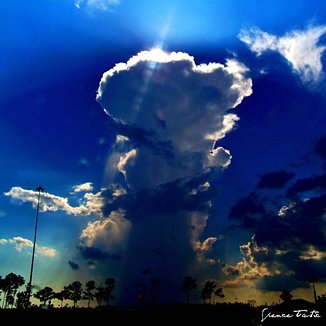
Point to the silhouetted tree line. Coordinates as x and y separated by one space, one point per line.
209 293
10 296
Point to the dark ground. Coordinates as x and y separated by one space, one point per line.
197 315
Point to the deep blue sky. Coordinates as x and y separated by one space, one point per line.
54 133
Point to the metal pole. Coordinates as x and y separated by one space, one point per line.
315 294
39 189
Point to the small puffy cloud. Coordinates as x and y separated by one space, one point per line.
311 253
103 5
91 265
204 247
300 48
46 251
22 243
285 209
219 157
84 187
125 159
106 237
282 211
121 140
73 265
211 261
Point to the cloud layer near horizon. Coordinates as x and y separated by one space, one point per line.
22 243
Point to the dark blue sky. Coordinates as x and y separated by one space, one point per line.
56 134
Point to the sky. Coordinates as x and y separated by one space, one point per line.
172 138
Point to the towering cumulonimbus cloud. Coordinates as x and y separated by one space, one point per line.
168 113
180 109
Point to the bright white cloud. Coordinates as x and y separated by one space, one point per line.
285 209
229 121
48 201
46 251
22 243
103 5
84 187
92 203
109 234
120 140
124 159
176 102
219 157
300 48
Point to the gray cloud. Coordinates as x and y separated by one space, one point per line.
288 248
191 102
274 180
168 114
73 265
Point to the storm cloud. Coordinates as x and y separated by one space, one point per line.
288 248
274 180
168 114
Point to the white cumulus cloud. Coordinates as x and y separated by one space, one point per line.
103 5
22 243
300 48
219 157
181 108
46 251
84 187
109 234
91 203
48 201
